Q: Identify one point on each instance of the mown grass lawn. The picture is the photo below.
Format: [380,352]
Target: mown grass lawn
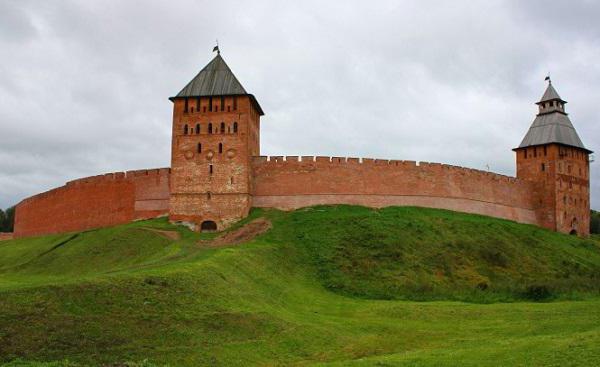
[326,286]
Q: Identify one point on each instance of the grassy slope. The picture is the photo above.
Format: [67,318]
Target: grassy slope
[423,254]
[125,293]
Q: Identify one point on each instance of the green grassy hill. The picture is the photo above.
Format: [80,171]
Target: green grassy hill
[325,286]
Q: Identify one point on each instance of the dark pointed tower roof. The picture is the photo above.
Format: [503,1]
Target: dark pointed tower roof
[552,124]
[215,79]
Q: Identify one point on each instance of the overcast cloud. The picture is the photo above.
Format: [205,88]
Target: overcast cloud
[84,84]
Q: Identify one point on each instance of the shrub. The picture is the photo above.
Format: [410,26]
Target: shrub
[482,286]
[494,257]
[537,293]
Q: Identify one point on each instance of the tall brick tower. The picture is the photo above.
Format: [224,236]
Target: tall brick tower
[553,156]
[216,132]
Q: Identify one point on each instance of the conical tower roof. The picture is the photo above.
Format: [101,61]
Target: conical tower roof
[215,79]
[553,126]
[550,95]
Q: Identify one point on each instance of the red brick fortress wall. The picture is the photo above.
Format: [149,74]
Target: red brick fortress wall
[4,236]
[94,202]
[296,182]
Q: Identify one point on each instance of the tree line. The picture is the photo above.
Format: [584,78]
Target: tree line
[595,222]
[7,219]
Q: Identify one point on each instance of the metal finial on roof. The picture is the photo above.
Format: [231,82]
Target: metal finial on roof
[548,78]
[216,48]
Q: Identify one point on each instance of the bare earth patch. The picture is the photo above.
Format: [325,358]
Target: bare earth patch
[240,235]
[172,235]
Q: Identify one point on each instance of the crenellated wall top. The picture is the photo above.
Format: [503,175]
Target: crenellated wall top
[282,161]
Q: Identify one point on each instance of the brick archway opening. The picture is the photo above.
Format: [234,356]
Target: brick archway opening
[573,227]
[208,226]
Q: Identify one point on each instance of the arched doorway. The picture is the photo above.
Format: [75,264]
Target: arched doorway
[573,227]
[208,225]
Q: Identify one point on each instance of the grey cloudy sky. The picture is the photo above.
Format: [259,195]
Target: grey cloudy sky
[84,84]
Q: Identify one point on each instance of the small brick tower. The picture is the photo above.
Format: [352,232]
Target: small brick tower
[216,132]
[553,156]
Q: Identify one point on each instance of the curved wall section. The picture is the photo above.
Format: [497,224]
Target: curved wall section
[94,202]
[296,182]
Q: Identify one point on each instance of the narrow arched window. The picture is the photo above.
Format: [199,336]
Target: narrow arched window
[220,147]
[210,169]
[222,128]
[185,106]
[199,147]
[235,127]
[525,153]
[210,128]
[185,129]
[197,129]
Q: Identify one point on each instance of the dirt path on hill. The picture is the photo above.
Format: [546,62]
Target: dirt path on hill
[172,235]
[243,234]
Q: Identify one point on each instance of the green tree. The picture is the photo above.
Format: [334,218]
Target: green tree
[2,220]
[9,221]
[595,222]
